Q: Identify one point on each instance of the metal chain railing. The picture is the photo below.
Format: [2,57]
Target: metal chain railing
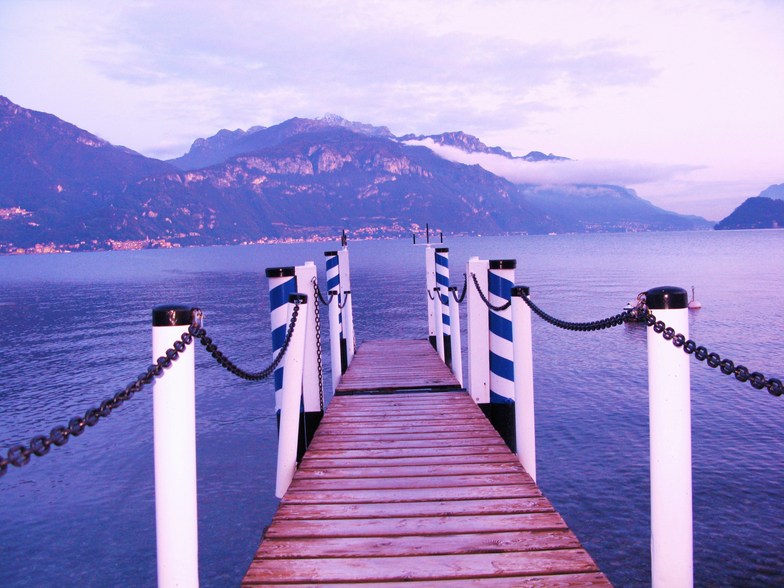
[317,314]
[346,294]
[319,295]
[625,316]
[641,312]
[727,366]
[504,306]
[459,299]
[200,334]
[40,445]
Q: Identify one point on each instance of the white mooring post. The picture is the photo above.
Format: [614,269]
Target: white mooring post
[478,339]
[348,312]
[438,319]
[430,283]
[525,422]
[174,433]
[311,391]
[456,341]
[293,364]
[669,391]
[334,339]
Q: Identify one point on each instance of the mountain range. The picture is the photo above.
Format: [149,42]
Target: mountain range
[64,188]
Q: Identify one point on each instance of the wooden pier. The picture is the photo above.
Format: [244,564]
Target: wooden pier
[407,483]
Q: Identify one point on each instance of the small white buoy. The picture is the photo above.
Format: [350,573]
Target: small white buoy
[694,304]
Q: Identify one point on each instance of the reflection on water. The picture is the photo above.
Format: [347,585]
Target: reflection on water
[76,330]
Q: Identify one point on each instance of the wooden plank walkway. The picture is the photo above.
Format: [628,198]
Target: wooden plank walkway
[415,489]
[392,365]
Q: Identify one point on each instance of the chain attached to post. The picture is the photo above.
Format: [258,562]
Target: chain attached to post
[462,296]
[40,445]
[200,334]
[727,367]
[317,314]
[500,308]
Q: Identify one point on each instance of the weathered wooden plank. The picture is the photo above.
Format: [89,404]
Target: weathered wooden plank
[438,567]
[470,451]
[470,427]
[301,483]
[415,509]
[432,525]
[402,399]
[418,544]
[337,460]
[384,439]
[364,443]
[430,471]
[413,419]
[394,495]
[586,580]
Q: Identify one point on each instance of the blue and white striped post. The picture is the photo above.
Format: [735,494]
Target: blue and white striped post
[282,283]
[525,422]
[478,340]
[669,391]
[312,393]
[430,284]
[290,431]
[336,338]
[174,432]
[348,312]
[500,280]
[442,281]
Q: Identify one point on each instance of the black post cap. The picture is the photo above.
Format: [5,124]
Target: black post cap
[280,272]
[501,264]
[521,291]
[442,249]
[172,315]
[297,297]
[666,298]
[330,253]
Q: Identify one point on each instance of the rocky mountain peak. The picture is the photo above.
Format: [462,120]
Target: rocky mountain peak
[335,120]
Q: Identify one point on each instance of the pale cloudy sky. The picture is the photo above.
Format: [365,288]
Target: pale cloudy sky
[681,100]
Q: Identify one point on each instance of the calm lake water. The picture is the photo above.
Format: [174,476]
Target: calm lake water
[76,330]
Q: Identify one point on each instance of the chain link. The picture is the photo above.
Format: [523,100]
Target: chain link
[640,312]
[346,294]
[757,380]
[199,333]
[623,317]
[460,298]
[318,342]
[319,295]
[504,306]
[40,445]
